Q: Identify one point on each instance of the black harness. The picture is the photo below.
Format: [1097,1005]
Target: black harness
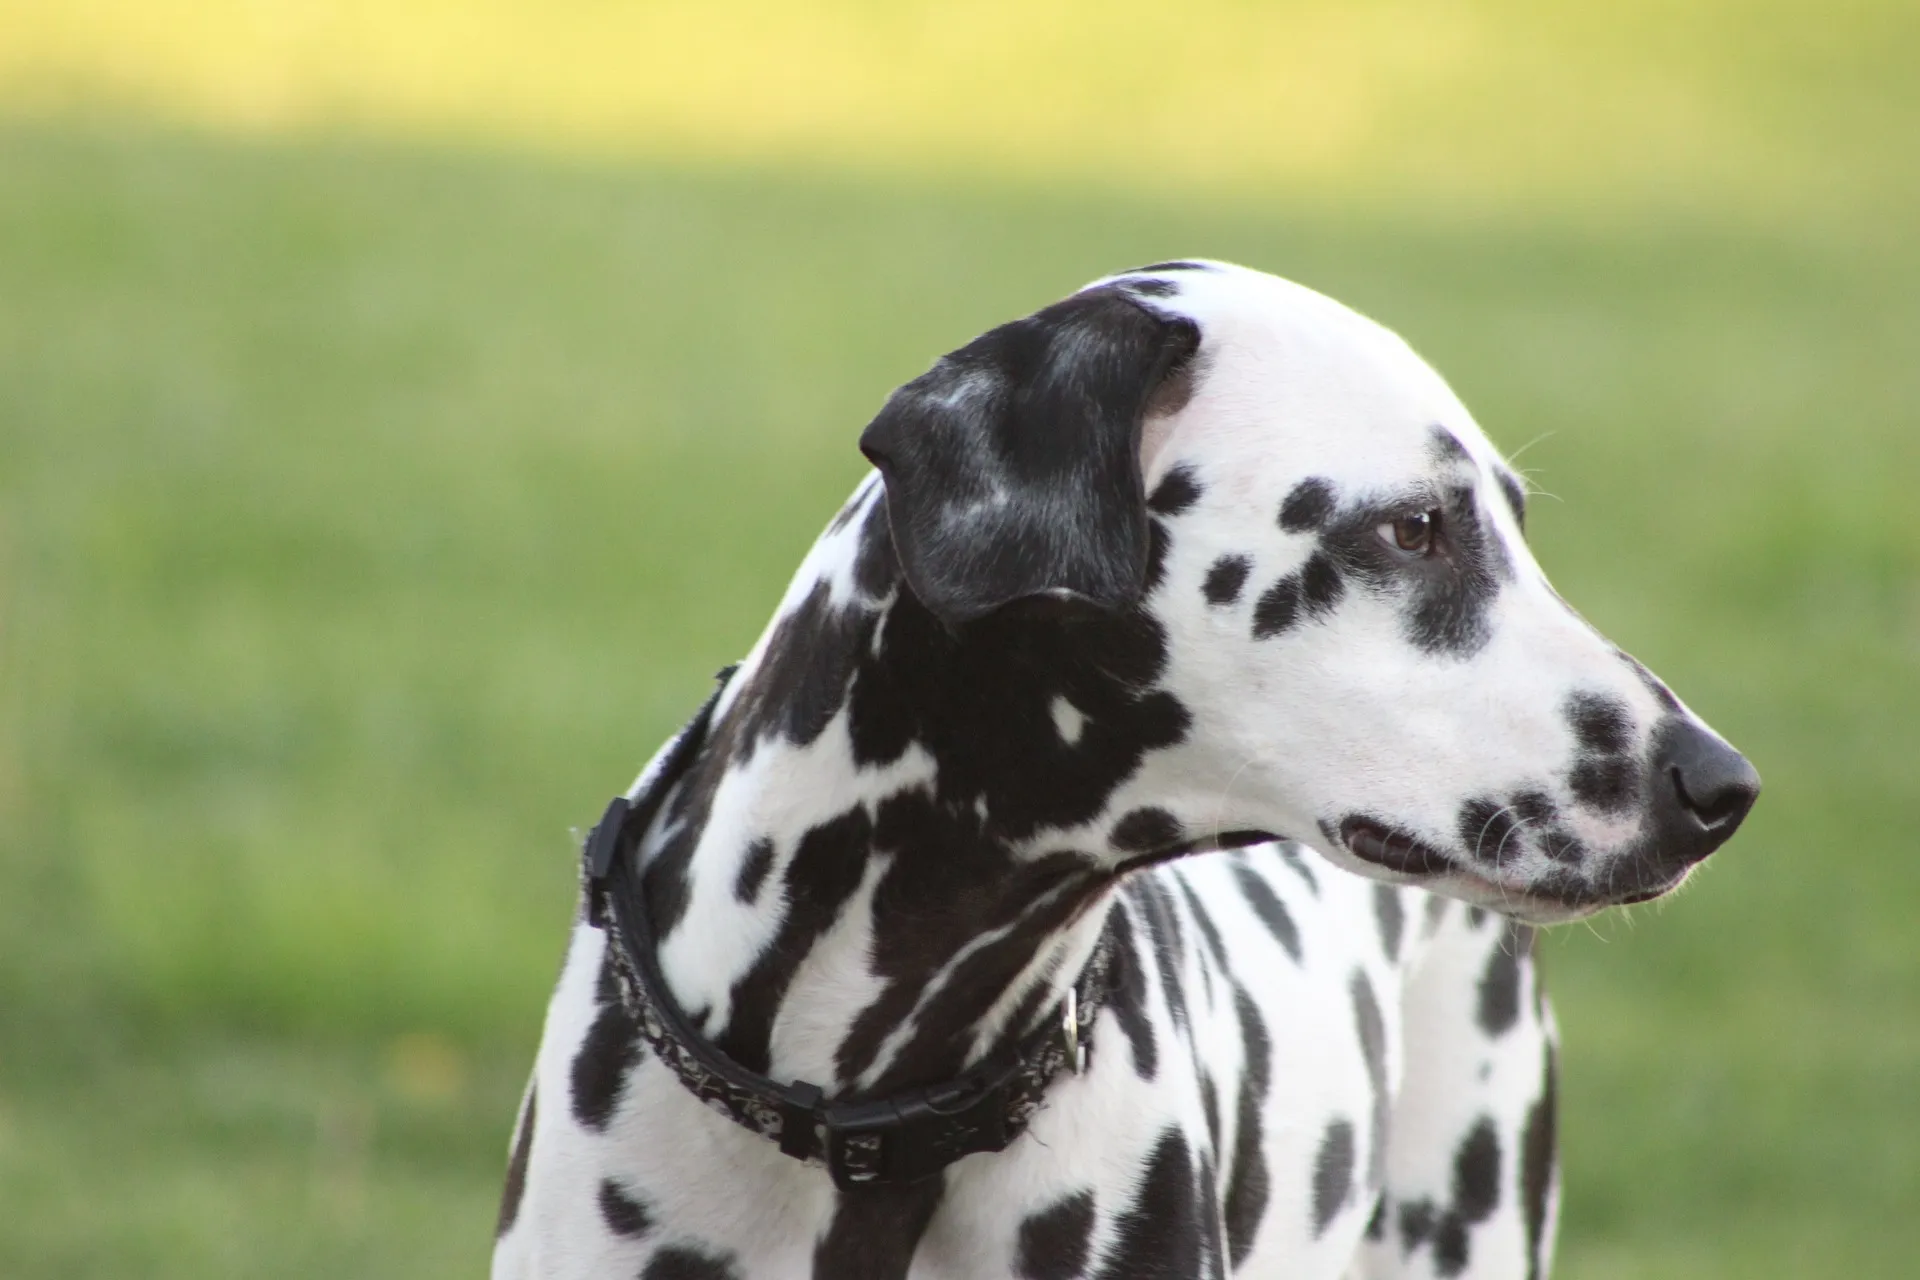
[898,1139]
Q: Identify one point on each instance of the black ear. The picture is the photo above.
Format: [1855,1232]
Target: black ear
[1013,465]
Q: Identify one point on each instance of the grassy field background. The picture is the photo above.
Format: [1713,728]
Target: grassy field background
[371,503]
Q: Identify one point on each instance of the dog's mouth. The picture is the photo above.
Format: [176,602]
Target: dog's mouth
[1404,855]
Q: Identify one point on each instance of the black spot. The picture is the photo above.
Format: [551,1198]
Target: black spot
[1277,608]
[1476,1194]
[1247,1181]
[1295,859]
[875,1230]
[1127,1001]
[685,1262]
[1536,808]
[1446,446]
[1372,1031]
[1176,265]
[1377,1224]
[1487,829]
[1053,1243]
[1537,1142]
[1609,784]
[1267,905]
[753,870]
[607,1053]
[1605,777]
[1307,506]
[1391,915]
[1499,1005]
[1332,1174]
[1436,912]
[1152,288]
[516,1185]
[1320,585]
[1209,932]
[1450,1245]
[1516,496]
[1146,831]
[1225,579]
[1162,1231]
[1176,491]
[1476,1173]
[1417,1221]
[1476,917]
[624,1214]
[1165,940]
[823,873]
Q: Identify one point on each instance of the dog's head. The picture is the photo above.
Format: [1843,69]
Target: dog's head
[1371,658]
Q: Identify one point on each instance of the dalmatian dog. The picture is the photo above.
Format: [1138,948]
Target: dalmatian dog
[1120,855]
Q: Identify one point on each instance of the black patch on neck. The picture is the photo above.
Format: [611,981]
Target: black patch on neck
[1537,1150]
[1267,905]
[1163,1232]
[825,871]
[1499,994]
[1332,1174]
[1247,1178]
[606,1055]
[1053,1243]
[753,870]
[1476,1194]
[625,1214]
[1127,998]
[1372,1030]
[876,1229]
[516,1185]
[1391,915]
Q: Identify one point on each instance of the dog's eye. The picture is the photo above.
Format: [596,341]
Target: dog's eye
[1412,534]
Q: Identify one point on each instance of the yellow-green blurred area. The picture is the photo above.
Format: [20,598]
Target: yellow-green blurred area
[405,407]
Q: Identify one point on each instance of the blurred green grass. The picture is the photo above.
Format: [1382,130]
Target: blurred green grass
[368,513]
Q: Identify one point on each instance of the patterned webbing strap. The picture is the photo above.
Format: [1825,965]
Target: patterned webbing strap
[872,1142]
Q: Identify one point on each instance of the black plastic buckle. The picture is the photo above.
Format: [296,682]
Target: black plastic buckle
[914,1136]
[603,845]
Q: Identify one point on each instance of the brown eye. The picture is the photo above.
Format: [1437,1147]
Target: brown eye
[1412,533]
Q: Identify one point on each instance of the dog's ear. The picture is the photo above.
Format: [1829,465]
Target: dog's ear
[1013,465]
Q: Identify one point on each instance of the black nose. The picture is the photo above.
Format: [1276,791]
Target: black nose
[1703,789]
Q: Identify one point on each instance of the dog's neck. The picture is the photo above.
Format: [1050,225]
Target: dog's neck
[889,858]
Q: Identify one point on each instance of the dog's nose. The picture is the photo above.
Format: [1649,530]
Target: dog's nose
[1703,789]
